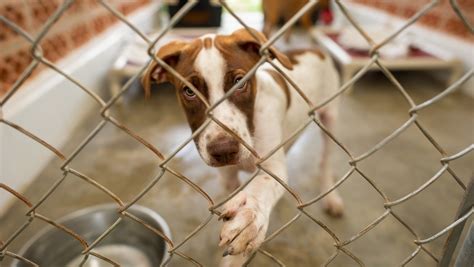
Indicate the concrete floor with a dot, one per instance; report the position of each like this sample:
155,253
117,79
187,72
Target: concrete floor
370,113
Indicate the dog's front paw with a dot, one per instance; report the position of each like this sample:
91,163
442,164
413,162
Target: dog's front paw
245,225
333,204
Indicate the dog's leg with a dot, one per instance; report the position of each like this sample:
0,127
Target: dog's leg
246,215
332,203
230,177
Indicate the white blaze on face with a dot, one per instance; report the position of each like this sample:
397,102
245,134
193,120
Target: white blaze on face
211,65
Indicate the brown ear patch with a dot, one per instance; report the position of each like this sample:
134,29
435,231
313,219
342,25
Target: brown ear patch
280,80
175,54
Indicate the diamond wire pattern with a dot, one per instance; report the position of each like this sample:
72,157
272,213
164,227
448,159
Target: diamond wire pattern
300,204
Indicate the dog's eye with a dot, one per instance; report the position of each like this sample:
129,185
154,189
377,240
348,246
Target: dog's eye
188,93
237,79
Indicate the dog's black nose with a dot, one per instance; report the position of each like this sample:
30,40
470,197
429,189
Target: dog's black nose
224,150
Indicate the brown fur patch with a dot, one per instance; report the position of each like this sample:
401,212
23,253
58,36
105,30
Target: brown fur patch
292,54
207,43
239,62
194,108
184,64
181,56
241,52
280,80
246,42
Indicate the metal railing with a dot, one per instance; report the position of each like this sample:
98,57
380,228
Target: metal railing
341,245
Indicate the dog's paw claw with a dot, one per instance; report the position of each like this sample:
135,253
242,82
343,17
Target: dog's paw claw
227,251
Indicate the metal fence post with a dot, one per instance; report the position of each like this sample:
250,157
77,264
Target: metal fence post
453,238
466,253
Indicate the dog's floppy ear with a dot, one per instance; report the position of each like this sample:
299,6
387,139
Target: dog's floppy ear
248,43
169,53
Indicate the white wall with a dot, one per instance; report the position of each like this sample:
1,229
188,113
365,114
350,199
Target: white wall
424,36
51,107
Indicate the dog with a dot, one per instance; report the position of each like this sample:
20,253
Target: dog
275,11
263,112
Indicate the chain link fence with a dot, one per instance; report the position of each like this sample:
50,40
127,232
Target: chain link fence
340,245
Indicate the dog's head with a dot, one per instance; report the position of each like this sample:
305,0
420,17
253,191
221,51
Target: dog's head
213,64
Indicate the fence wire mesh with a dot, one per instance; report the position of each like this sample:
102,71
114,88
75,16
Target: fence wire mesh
340,245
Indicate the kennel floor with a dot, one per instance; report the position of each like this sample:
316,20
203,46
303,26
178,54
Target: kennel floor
371,112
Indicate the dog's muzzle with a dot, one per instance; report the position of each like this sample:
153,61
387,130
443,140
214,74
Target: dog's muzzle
224,150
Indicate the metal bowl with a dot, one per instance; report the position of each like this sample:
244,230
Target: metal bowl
129,244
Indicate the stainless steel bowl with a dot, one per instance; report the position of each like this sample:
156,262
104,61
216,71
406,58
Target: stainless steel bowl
129,244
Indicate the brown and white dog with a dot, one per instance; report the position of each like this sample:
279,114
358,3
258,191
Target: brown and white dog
262,112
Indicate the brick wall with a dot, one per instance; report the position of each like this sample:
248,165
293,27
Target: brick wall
440,18
83,20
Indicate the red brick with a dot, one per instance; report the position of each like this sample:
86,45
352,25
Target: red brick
456,27
59,41
431,19
80,34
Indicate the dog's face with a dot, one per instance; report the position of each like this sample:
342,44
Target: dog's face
213,64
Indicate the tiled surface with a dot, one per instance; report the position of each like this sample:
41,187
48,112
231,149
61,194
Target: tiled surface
440,18
80,23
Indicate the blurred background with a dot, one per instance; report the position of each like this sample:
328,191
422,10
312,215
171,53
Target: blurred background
90,44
